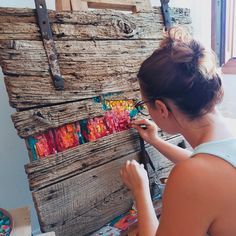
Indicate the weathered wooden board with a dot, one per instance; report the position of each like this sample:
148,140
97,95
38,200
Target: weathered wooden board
91,59
21,24
76,160
100,188
162,164
75,56
85,202
79,190
38,120
124,5
93,74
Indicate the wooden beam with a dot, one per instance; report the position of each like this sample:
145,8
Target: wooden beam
83,5
130,5
27,124
96,195
79,5
82,158
115,62
86,201
63,5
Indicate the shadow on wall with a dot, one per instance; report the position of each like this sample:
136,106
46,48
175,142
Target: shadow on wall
13,157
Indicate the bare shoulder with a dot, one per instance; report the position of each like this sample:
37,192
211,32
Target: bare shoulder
194,175
188,199
193,196
203,174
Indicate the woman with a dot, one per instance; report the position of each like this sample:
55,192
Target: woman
181,88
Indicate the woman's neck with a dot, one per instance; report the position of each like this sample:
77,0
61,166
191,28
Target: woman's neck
211,127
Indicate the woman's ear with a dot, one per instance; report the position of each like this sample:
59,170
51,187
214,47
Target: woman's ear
162,109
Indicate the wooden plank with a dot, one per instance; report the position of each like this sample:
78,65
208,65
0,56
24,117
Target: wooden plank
88,25
125,5
88,71
79,205
28,124
80,57
32,95
79,5
63,165
162,164
85,202
63,5
81,158
82,5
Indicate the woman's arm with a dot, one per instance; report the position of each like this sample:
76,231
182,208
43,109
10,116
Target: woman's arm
188,203
172,152
150,134
147,220
135,177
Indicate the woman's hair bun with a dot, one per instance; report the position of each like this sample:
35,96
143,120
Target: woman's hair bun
188,52
182,70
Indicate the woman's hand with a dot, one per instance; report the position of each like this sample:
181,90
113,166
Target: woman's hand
147,129
135,177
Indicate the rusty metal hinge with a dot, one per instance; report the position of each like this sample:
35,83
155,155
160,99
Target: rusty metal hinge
49,44
166,13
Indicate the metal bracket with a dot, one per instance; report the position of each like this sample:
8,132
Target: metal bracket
49,44
166,13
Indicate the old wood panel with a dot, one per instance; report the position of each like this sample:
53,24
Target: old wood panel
85,202
99,188
21,24
74,161
125,5
92,60
78,59
81,158
101,68
38,120
162,164
79,190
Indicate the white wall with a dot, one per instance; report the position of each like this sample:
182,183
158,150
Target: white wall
201,17
25,3
13,154
14,191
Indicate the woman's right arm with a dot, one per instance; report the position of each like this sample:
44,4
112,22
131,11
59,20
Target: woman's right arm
149,132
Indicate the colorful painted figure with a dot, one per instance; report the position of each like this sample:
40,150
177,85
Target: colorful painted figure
127,220
117,120
42,145
66,137
127,105
96,128
79,132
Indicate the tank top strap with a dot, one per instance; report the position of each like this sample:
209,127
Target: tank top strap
224,149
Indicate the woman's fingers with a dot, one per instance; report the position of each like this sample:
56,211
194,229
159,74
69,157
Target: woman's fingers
127,164
142,122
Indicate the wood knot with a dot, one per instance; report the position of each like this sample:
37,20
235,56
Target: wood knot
126,28
38,116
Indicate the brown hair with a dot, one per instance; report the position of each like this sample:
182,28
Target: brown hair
182,70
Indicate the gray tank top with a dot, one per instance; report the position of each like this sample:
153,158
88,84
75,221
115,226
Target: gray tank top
224,149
